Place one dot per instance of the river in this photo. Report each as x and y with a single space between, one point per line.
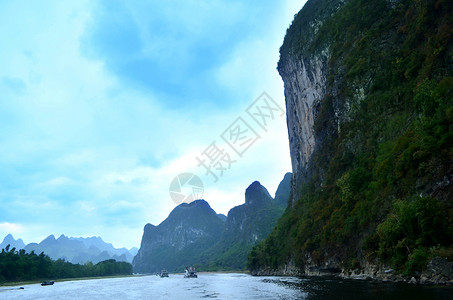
224 286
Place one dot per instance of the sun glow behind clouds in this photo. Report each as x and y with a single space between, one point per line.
104 103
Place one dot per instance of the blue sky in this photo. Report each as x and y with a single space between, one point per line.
103 103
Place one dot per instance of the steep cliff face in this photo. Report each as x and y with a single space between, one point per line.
305 86
305 79
369 99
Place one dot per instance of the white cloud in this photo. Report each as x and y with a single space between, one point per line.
13 228
62 180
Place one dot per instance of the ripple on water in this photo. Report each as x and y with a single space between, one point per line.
224 286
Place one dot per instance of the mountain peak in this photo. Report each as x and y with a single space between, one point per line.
48 240
284 190
200 202
189 210
189 227
256 193
62 237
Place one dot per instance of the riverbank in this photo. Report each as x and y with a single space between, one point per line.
438 272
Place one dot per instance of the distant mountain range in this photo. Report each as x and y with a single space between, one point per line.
74 250
9 240
194 234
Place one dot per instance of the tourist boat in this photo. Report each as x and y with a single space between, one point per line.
47 283
190 272
164 273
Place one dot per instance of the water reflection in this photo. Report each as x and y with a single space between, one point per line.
334 288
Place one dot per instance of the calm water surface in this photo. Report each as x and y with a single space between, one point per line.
224 286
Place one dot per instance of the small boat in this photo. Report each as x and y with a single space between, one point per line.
47 283
164 273
190 272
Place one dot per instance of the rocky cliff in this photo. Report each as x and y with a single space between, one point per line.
304 70
178 241
368 90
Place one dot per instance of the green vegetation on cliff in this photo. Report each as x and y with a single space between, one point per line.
381 183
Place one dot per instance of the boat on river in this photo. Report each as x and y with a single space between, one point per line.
164 273
190 272
47 283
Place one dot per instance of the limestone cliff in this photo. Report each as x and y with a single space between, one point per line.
303 67
369 103
178 241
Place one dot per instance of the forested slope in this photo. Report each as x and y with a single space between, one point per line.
368 88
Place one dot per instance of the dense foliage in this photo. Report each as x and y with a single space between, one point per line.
381 186
19 266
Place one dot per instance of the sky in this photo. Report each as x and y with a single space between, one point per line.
104 104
